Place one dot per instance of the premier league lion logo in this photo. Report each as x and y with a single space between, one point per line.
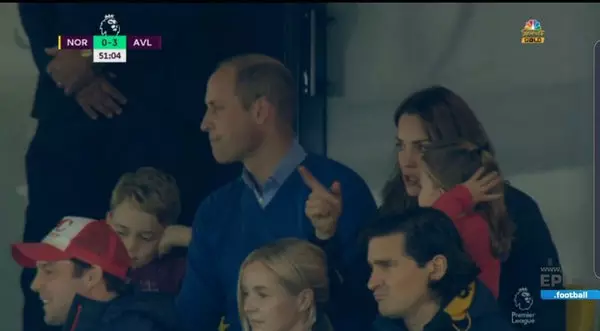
523 299
110 26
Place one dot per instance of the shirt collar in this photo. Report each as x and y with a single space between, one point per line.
286 167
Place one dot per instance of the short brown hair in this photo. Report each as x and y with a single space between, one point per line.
154 191
263 76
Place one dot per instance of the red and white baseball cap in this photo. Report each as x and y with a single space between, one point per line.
84 239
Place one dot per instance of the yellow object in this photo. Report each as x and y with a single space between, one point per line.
458 308
581 314
223 326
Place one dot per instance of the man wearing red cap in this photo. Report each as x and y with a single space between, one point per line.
81 278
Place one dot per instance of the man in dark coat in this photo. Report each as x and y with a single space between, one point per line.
422 278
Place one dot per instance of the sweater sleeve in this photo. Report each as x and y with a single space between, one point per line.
200 302
351 302
38 21
458 205
455 202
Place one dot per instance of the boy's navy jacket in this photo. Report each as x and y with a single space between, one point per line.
134 311
483 313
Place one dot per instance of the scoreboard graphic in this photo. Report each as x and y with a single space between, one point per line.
109 49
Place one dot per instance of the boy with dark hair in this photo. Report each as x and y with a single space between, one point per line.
422 278
81 278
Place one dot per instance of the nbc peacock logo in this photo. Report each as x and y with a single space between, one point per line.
533 25
532 32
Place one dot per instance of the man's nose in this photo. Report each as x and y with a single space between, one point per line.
36 283
373 282
205 124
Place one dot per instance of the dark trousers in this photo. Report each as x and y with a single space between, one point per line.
72 168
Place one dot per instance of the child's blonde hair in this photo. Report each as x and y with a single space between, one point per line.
452 163
299 265
153 191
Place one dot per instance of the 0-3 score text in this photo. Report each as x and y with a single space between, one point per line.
114 42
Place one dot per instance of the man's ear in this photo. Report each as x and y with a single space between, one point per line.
108 216
438 266
261 110
305 300
93 277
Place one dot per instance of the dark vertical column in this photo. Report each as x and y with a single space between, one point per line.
305 54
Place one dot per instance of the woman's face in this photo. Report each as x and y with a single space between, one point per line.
268 306
411 139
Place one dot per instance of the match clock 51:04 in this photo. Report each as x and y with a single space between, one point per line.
110 56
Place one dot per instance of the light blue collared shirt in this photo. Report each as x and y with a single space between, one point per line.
286 167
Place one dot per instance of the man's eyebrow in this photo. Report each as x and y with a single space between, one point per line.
382 262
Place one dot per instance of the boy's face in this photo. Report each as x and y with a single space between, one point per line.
140 231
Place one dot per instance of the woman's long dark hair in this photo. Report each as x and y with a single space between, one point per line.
446 116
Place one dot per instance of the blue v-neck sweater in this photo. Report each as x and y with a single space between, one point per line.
230 224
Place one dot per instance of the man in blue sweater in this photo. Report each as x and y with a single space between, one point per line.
251 101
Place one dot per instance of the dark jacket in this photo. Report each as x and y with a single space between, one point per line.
139 312
533 255
482 311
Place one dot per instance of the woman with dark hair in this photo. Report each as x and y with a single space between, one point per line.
438 114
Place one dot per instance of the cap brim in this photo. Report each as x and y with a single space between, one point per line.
28 255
